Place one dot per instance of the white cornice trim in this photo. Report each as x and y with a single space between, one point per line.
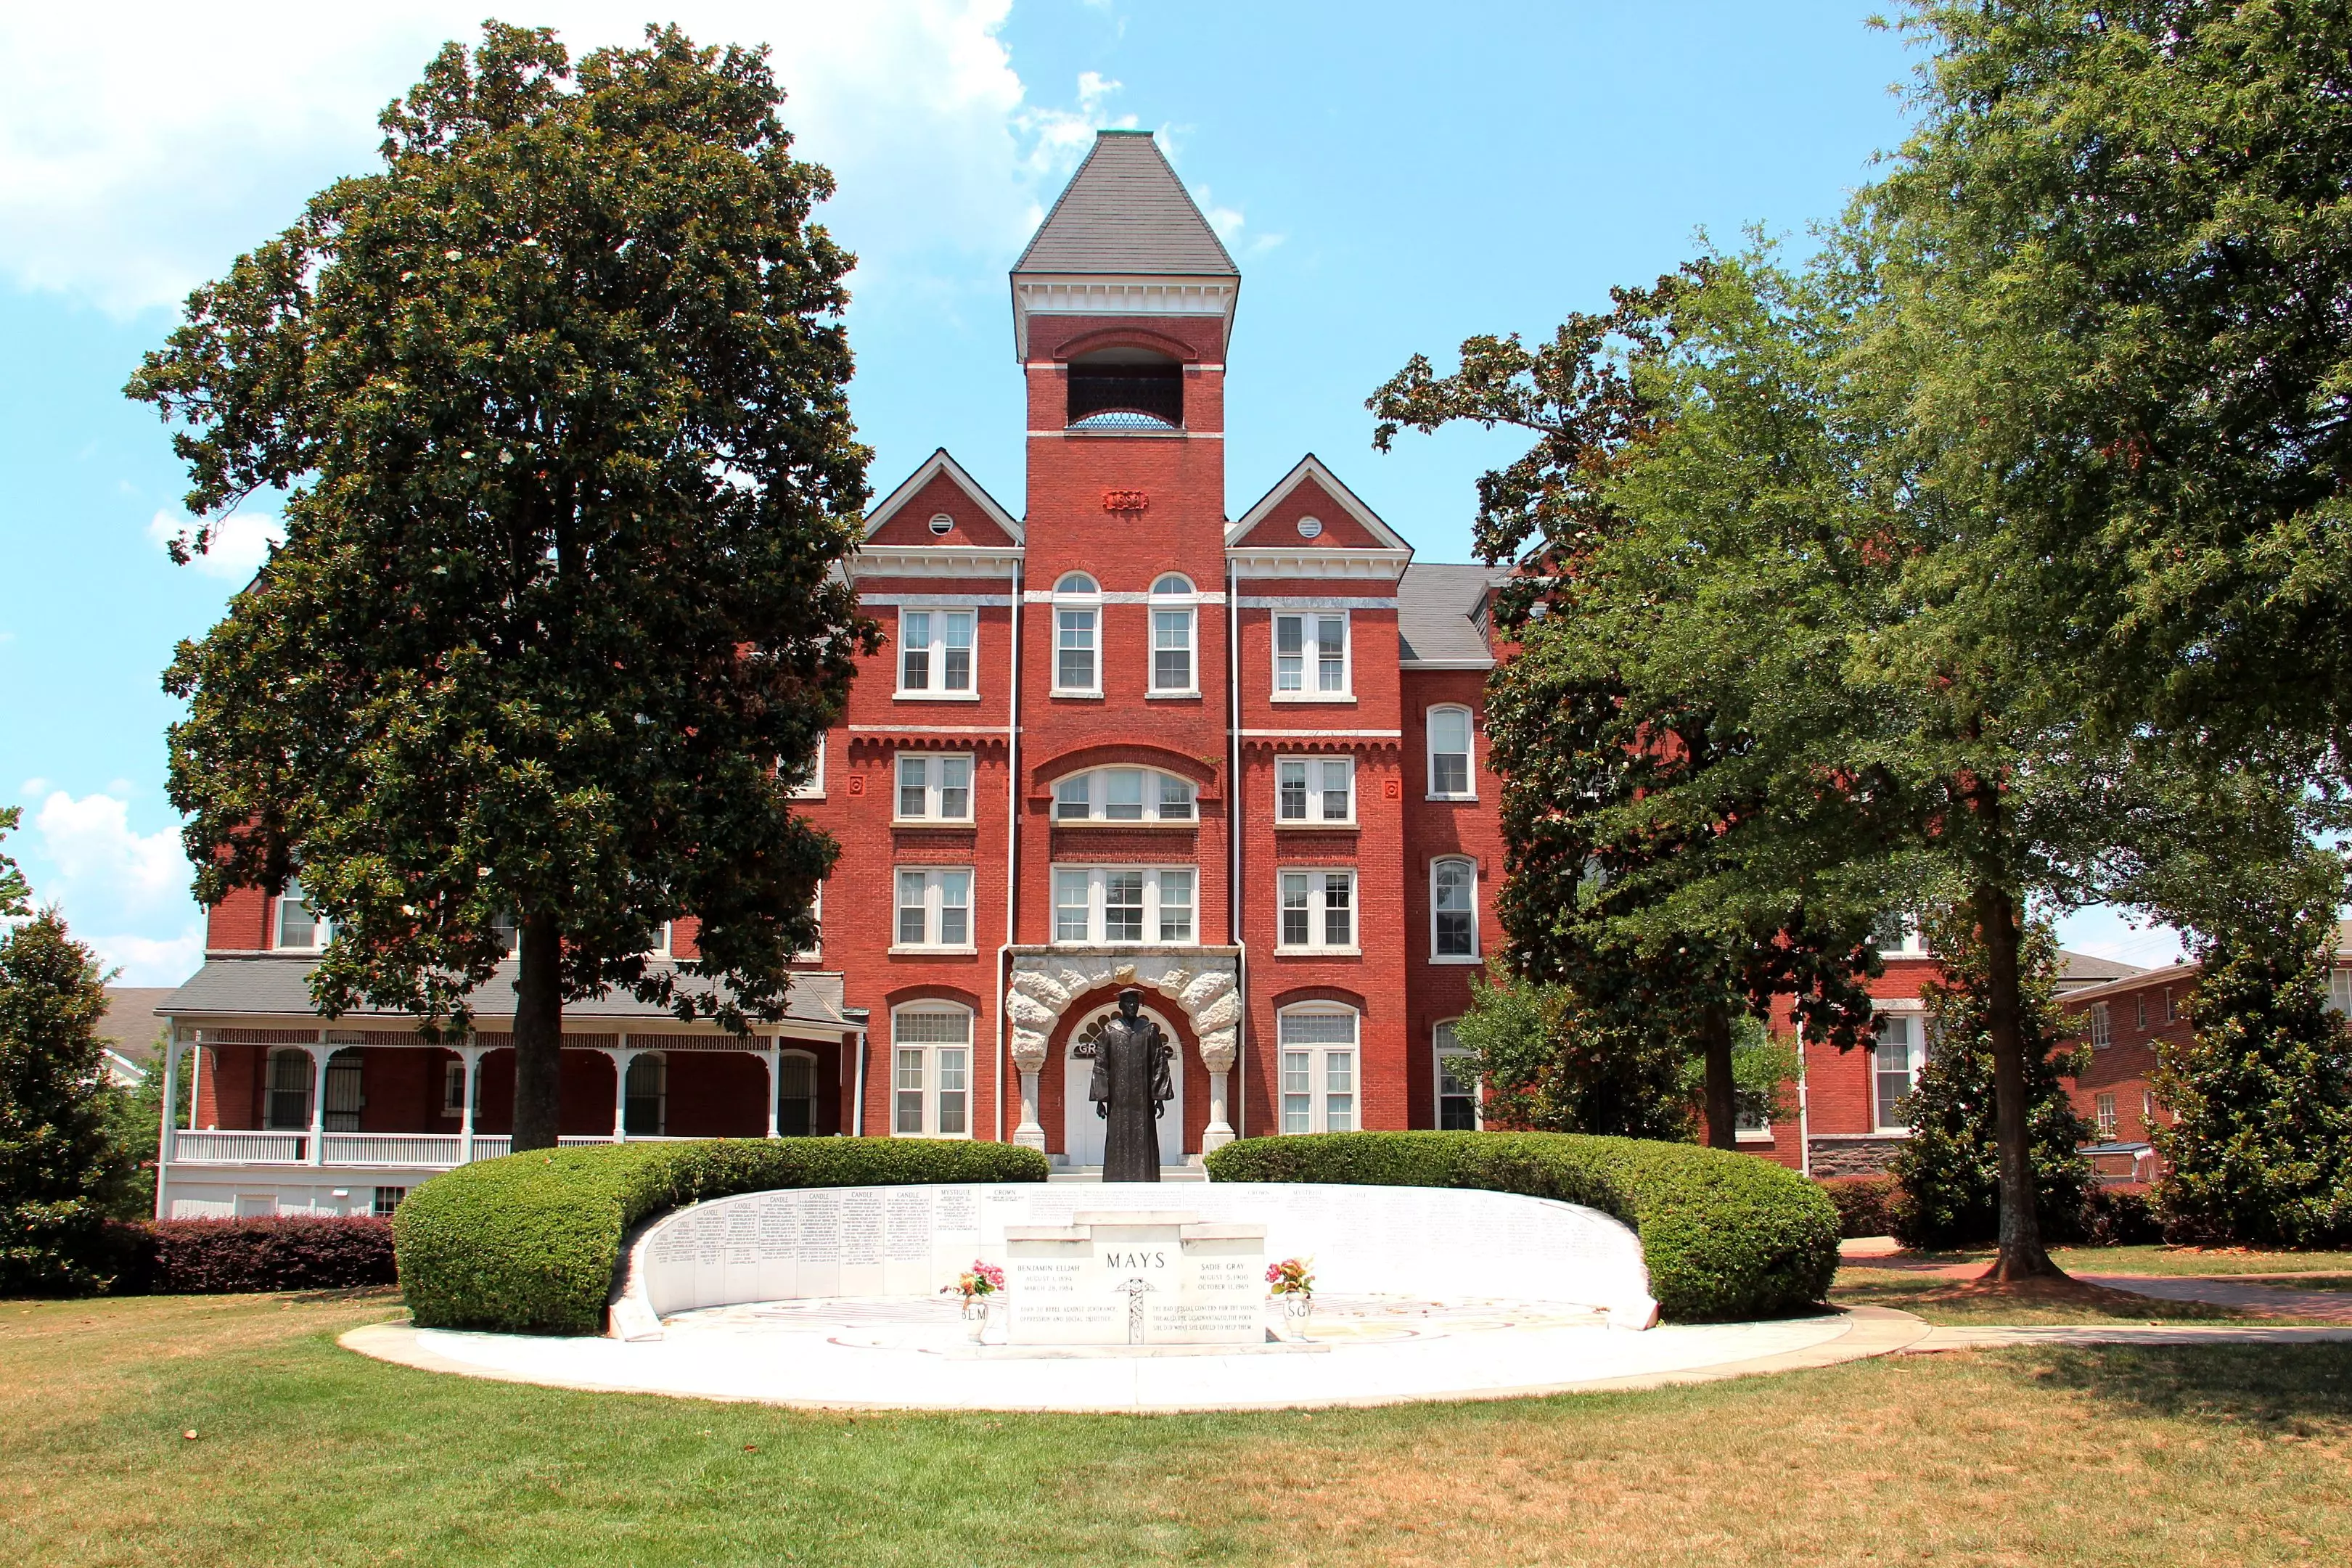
1308 562
934 560
937 464
1078 294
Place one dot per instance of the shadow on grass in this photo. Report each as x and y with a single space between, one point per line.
2266 1388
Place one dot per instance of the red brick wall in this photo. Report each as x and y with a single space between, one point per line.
1437 993
2126 1068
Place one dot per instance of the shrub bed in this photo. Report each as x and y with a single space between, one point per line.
1725 1235
529 1243
1865 1204
2123 1214
293 1252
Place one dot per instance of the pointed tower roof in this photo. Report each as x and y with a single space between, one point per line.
1125 213
1124 240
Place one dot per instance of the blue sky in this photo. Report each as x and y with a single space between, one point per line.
1390 178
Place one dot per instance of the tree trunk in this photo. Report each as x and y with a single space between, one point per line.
1722 1101
2023 1256
539 1034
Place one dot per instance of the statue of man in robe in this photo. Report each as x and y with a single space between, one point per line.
1130 1087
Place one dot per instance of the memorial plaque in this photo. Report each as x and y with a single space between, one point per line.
1140 1279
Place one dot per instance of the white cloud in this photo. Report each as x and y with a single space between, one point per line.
149 960
96 860
2106 932
240 545
131 169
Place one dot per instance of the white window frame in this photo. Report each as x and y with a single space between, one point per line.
663 938
2140 1009
1915 1026
322 930
1155 800
1913 943
1072 601
1317 908
934 647
1309 689
812 784
1315 783
2339 994
1095 882
1314 1086
2101 1027
1180 600
937 1072
1445 1048
937 881
1469 754
934 765
1466 863
2103 1117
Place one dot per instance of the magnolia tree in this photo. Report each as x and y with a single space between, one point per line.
555 402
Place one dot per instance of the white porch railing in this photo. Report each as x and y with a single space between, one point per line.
396 1149
407 1150
238 1149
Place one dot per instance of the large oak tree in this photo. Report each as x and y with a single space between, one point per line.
556 403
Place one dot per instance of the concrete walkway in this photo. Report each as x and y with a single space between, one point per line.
2233 1290
1992 1336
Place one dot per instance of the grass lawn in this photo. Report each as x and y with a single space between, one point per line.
2168 1260
306 1454
1942 1299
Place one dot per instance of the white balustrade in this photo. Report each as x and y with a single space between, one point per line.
237 1148
393 1149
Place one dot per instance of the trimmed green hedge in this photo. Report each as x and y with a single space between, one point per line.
1725 1236
529 1243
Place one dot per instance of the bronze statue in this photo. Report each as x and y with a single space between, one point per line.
1130 1089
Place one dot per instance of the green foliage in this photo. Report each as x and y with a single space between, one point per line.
1763 1066
1867 1205
557 399
14 892
1552 1064
529 1243
60 1175
1725 1236
2260 1148
1949 1167
135 1120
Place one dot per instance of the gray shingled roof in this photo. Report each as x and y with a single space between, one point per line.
1125 212
276 985
2077 971
1435 606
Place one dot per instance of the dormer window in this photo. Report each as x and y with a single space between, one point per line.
1120 390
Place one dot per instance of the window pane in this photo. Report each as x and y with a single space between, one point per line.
1171 650
1339 1091
913 771
1297 1092
1449 729
955 908
1070 906
1296 931
909 1092
1290 791
951 1027
955 788
915 650
1318 1028
1331 654
1123 906
1175 907
952 1089
1075 666
956 666
1123 795
1289 652
1175 798
910 908
1338 778
1452 885
1070 797
296 926
1338 910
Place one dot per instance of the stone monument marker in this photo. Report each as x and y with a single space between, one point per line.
1130 1089
1135 1278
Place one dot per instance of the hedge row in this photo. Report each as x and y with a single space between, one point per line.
1725 1235
531 1243
295 1252
2121 1214
1867 1205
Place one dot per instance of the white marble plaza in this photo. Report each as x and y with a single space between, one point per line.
901 1353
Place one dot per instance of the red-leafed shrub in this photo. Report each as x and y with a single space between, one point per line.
293 1252
1865 1204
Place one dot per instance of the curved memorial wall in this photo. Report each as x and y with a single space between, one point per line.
1431 1243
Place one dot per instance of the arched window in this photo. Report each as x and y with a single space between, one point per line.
1454 911
343 1089
1124 795
645 1105
930 1071
1116 390
1459 1101
1173 631
298 928
1077 636
796 1094
287 1107
1449 754
1318 1042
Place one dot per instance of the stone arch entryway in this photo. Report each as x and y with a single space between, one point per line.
1202 983
1082 1130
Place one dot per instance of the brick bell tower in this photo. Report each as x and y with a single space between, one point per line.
1122 307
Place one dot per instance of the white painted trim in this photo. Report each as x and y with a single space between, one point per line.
1303 563
938 600
1313 734
923 561
1312 601
1174 601
931 729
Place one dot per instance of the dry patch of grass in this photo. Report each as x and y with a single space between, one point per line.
1940 1298
2195 1261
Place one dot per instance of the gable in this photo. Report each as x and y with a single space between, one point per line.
903 518
1311 490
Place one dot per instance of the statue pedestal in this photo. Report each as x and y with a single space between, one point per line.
1139 1277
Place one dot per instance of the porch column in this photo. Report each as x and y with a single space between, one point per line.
1218 1048
1031 1133
319 1053
772 1059
622 1056
472 1056
171 1098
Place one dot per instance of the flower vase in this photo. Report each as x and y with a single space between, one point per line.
975 1317
1297 1306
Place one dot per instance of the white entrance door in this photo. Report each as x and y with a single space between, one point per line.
1082 1130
